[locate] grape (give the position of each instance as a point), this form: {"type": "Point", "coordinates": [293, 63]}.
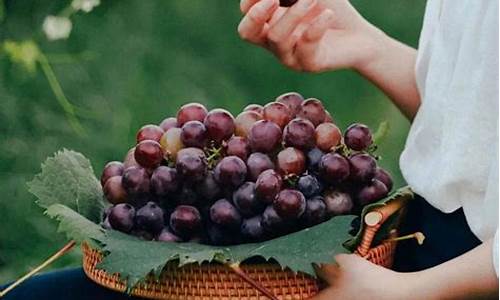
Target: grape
{"type": "Point", "coordinates": [309, 186]}
{"type": "Point", "coordinates": [268, 185]}
{"type": "Point", "coordinates": [223, 213]}
{"type": "Point", "coordinates": [315, 212]}
{"type": "Point", "coordinates": [383, 176]}
{"type": "Point", "coordinates": [312, 109]}
{"type": "Point", "coordinates": [171, 142]}
{"type": "Point", "coordinates": [271, 221]}
{"type": "Point", "coordinates": [363, 167]}
{"type": "Point", "coordinates": [136, 181]}
{"type": "Point", "coordinates": [264, 136]}
{"type": "Point", "coordinates": [167, 236]}
{"type": "Point", "coordinates": [168, 123]}
{"type": "Point", "coordinates": [231, 171]}
{"type": "Point", "coordinates": [194, 134]}
{"type": "Point", "coordinates": [299, 133]}
{"type": "Point", "coordinates": [313, 159]}
{"type": "Point", "coordinates": [220, 125]}
{"type": "Point", "coordinates": [164, 181]}
{"type": "Point", "coordinates": [374, 191]}
{"type": "Point", "coordinates": [121, 217]}
{"type": "Point", "coordinates": [358, 137]}
{"type": "Point", "coordinates": [293, 101]}
{"type": "Point", "coordinates": [113, 168]}
{"type": "Point", "coordinates": [255, 107]}
{"type": "Point", "coordinates": [185, 221]}
{"type": "Point", "coordinates": [114, 191]}
{"type": "Point", "coordinates": [287, 3]}
{"type": "Point", "coordinates": [338, 203]}
{"type": "Point", "coordinates": [142, 234]}
{"type": "Point", "coordinates": [252, 229]}
{"type": "Point", "coordinates": [277, 113]}
{"type": "Point", "coordinates": [148, 154]}
{"type": "Point", "coordinates": [150, 218]}
{"type": "Point", "coordinates": [208, 188]}
{"type": "Point", "coordinates": [129, 160]}
{"type": "Point", "coordinates": [186, 196]}
{"type": "Point", "coordinates": [327, 136]}
{"type": "Point", "coordinates": [328, 118]}
{"type": "Point", "coordinates": [219, 236]}
{"type": "Point", "coordinates": [257, 163]}
{"type": "Point", "coordinates": [149, 132]}
{"type": "Point", "coordinates": [191, 112]}
{"type": "Point", "coordinates": [334, 168]}
{"type": "Point", "coordinates": [105, 224]}
{"type": "Point", "coordinates": [244, 122]}
{"type": "Point", "coordinates": [238, 146]}
{"type": "Point", "coordinates": [191, 164]}
{"type": "Point", "coordinates": [290, 204]}
{"type": "Point", "coordinates": [291, 161]}
{"type": "Point", "coordinates": [246, 201]}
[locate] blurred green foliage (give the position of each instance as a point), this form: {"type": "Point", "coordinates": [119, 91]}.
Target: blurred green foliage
{"type": "Point", "coordinates": [129, 63]}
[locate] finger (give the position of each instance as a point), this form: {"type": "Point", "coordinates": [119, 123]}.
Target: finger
{"type": "Point", "coordinates": [253, 23]}
{"type": "Point", "coordinates": [328, 272]}
{"type": "Point", "coordinates": [327, 294]}
{"type": "Point", "coordinates": [246, 4]}
{"type": "Point", "coordinates": [319, 26]}
{"type": "Point", "coordinates": [285, 26]}
{"type": "Point", "coordinates": [347, 260]}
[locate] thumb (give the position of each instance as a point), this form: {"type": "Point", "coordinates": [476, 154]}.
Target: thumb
{"type": "Point", "coordinates": [346, 261]}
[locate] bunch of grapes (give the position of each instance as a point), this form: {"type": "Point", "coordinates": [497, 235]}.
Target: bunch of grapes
{"type": "Point", "coordinates": [208, 177]}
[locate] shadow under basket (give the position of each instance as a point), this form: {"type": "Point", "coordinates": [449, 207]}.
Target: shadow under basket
{"type": "Point", "coordinates": [217, 281]}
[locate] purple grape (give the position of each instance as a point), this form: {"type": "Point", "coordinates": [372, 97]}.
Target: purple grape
{"type": "Point", "coordinates": [194, 134]}
{"type": "Point", "coordinates": [252, 229]}
{"type": "Point", "coordinates": [185, 221]}
{"type": "Point", "coordinates": [315, 212]}
{"type": "Point", "coordinates": [136, 181]}
{"type": "Point", "coordinates": [148, 154]}
{"type": "Point", "coordinates": [292, 100]}
{"type": "Point", "coordinates": [224, 214]}
{"type": "Point", "coordinates": [129, 160]}
{"type": "Point", "coordinates": [268, 185]}
{"type": "Point", "coordinates": [244, 122]}
{"type": "Point", "coordinates": [149, 132]}
{"type": "Point", "coordinates": [334, 168]}
{"type": "Point", "coordinates": [219, 236]}
{"type": "Point", "coordinates": [114, 191]}
{"type": "Point", "coordinates": [312, 109]}
{"type": "Point", "coordinates": [231, 171]}
{"type": "Point", "coordinates": [374, 191]}
{"type": "Point", "coordinates": [220, 125]}
{"type": "Point", "coordinates": [362, 168]}
{"type": "Point", "coordinates": [299, 133]}
{"type": "Point", "coordinates": [150, 218]}
{"type": "Point", "coordinates": [358, 137]}
{"type": "Point", "coordinates": [142, 234]}
{"type": "Point", "coordinates": [113, 168]}
{"type": "Point", "coordinates": [208, 188]}
{"type": "Point", "coordinates": [168, 123]}
{"type": "Point", "coordinates": [257, 163]}
{"type": "Point", "coordinates": [164, 181]}
{"type": "Point", "coordinates": [264, 136]}
{"type": "Point", "coordinates": [105, 224]}
{"type": "Point", "coordinates": [290, 204]}
{"type": "Point", "coordinates": [309, 186]}
{"type": "Point", "coordinates": [121, 217]}
{"type": "Point", "coordinates": [191, 112]}
{"type": "Point", "coordinates": [313, 159]}
{"type": "Point", "coordinates": [271, 221]}
{"type": "Point", "coordinates": [338, 203]}
{"type": "Point", "coordinates": [384, 177]}
{"type": "Point", "coordinates": [167, 236]}
{"type": "Point", "coordinates": [191, 164]}
{"type": "Point", "coordinates": [245, 199]}
{"type": "Point", "coordinates": [287, 3]}
{"type": "Point", "coordinates": [238, 146]}
{"type": "Point", "coordinates": [291, 161]}
{"type": "Point", "coordinates": [186, 196]}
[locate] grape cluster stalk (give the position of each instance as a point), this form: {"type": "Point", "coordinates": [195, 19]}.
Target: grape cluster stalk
{"type": "Point", "coordinates": [209, 177]}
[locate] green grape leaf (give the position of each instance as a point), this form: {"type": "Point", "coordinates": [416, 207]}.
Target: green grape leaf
{"type": "Point", "coordinates": [67, 178]}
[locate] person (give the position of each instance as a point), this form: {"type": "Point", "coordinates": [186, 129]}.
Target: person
{"type": "Point", "coordinates": [449, 90]}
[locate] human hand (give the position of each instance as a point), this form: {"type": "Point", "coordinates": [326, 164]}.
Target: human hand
{"type": "Point", "coordinates": [312, 35]}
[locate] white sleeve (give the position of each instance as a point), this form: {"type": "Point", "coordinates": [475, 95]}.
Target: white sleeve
{"type": "Point", "coordinates": [495, 252]}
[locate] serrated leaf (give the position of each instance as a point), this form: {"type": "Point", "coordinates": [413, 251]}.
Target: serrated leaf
{"type": "Point", "coordinates": [67, 178]}
{"type": "Point", "coordinates": [74, 225]}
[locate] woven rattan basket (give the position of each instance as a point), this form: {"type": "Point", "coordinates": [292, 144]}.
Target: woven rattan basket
{"type": "Point", "coordinates": [216, 281]}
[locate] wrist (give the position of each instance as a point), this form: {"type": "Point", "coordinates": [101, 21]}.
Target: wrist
{"type": "Point", "coordinates": [378, 46]}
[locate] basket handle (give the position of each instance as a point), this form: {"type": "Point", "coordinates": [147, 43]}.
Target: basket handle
{"type": "Point", "coordinates": [374, 219]}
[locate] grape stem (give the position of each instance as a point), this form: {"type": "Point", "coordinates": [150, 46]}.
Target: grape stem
{"type": "Point", "coordinates": [239, 271]}
{"type": "Point", "coordinates": [50, 260]}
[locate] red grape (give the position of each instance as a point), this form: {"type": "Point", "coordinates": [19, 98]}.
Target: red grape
{"type": "Point", "coordinates": [334, 168]}
{"type": "Point", "coordinates": [293, 101]}
{"type": "Point", "coordinates": [312, 109]}
{"type": "Point", "coordinates": [338, 203]}
{"type": "Point", "coordinates": [291, 161]}
{"type": "Point", "coordinates": [191, 112]}
{"type": "Point", "coordinates": [164, 181]}
{"type": "Point", "coordinates": [277, 113]}
{"type": "Point", "coordinates": [255, 107]}
{"type": "Point", "coordinates": [129, 160]}
{"type": "Point", "coordinates": [363, 168]}
{"type": "Point", "coordinates": [114, 191]}
{"type": "Point", "coordinates": [265, 136]}
{"type": "Point", "coordinates": [257, 163]}
{"type": "Point", "coordinates": [358, 137]}
{"type": "Point", "coordinates": [149, 132]}
{"type": "Point", "coordinates": [328, 118]}
{"type": "Point", "coordinates": [194, 134]}
{"type": "Point", "coordinates": [238, 146]}
{"type": "Point", "coordinates": [290, 204]}
{"type": "Point", "coordinates": [149, 218]}
{"type": "Point", "coordinates": [168, 123]}
{"type": "Point", "coordinates": [374, 191]}
{"type": "Point", "coordinates": [121, 217]}
{"type": "Point", "coordinates": [136, 181]}
{"type": "Point", "coordinates": [113, 168]}
{"type": "Point", "coordinates": [185, 221]}
{"type": "Point", "coordinates": [231, 171]}
{"type": "Point", "coordinates": [171, 142]}
{"type": "Point", "coordinates": [244, 121]}
{"type": "Point", "coordinates": [384, 177]}
{"type": "Point", "coordinates": [268, 185]}
{"type": "Point", "coordinates": [223, 213]}
{"type": "Point", "coordinates": [299, 133]}
{"type": "Point", "coordinates": [167, 236]}
{"type": "Point", "coordinates": [327, 136]}
{"type": "Point", "coordinates": [148, 154]}
{"type": "Point", "coordinates": [220, 125]}
{"type": "Point", "coordinates": [191, 164]}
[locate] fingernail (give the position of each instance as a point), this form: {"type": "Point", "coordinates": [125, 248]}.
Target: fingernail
{"type": "Point", "coordinates": [267, 4]}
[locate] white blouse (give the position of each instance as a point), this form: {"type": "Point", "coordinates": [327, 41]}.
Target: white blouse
{"type": "Point", "coordinates": [451, 154]}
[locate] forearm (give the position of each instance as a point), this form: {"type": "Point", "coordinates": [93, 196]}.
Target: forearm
{"type": "Point", "coordinates": [469, 276]}
{"type": "Point", "coordinates": [392, 69]}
